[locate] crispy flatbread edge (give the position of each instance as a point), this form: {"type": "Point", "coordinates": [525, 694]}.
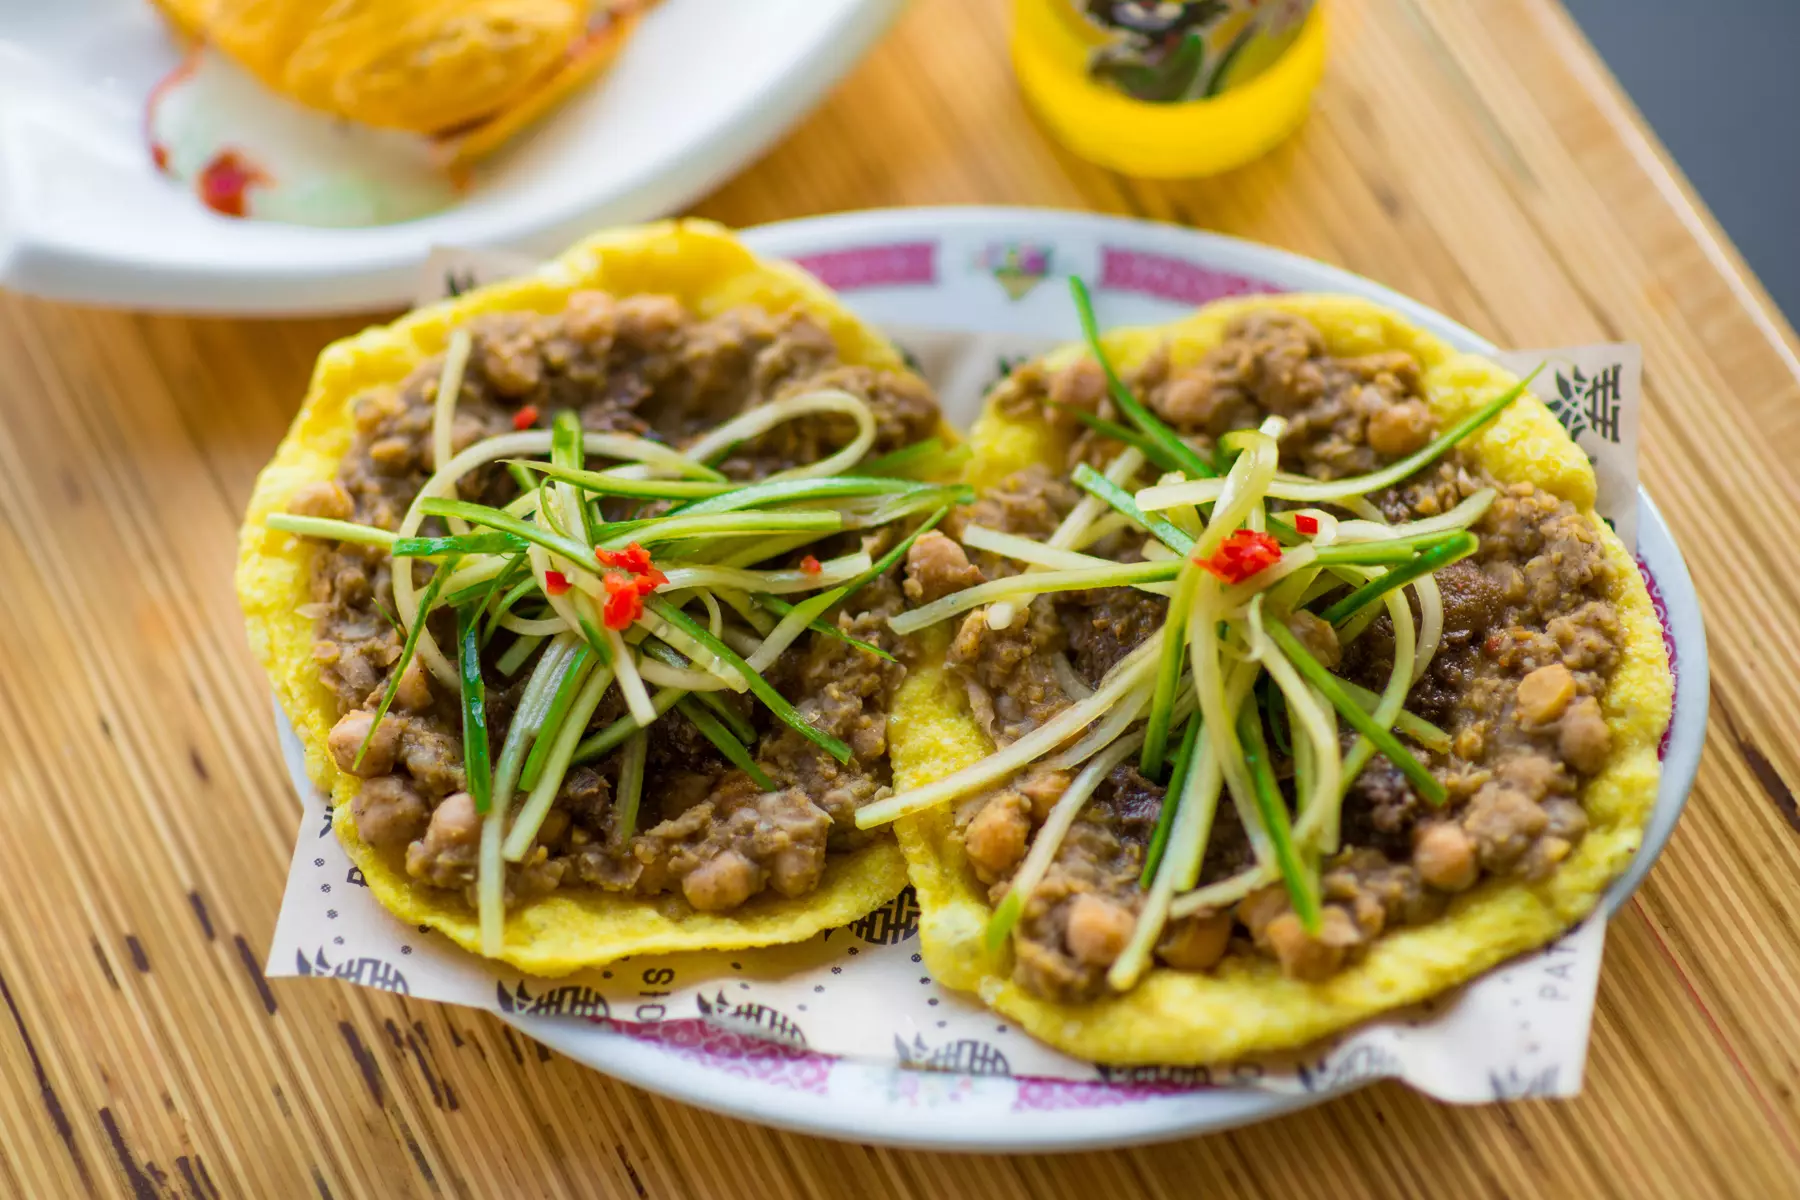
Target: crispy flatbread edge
{"type": "Point", "coordinates": [708, 270]}
{"type": "Point", "coordinates": [1246, 1007]}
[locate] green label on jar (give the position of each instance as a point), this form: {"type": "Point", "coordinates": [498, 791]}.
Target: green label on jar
{"type": "Point", "coordinates": [1177, 50]}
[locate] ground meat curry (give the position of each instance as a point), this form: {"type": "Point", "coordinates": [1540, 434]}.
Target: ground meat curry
{"type": "Point", "coordinates": [1548, 687]}
{"type": "Point", "coordinates": [638, 364]}
{"type": "Point", "coordinates": [660, 334]}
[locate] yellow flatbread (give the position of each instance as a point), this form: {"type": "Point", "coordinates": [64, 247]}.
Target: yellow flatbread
{"type": "Point", "coordinates": [1247, 1006]}
{"type": "Point", "coordinates": [708, 271]}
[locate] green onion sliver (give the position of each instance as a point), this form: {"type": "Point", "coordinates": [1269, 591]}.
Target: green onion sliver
{"type": "Point", "coordinates": [1387, 712]}
{"type": "Point", "coordinates": [1150, 448]}
{"type": "Point", "coordinates": [491, 542]}
{"type": "Point", "coordinates": [330, 530]}
{"type": "Point", "coordinates": [776, 604]}
{"type": "Point", "coordinates": [426, 600]}
{"type": "Point", "coordinates": [1115, 575]}
{"type": "Point", "coordinates": [1184, 457]}
{"type": "Point", "coordinates": [515, 592]}
{"type": "Point", "coordinates": [759, 687]}
{"type": "Point", "coordinates": [885, 563]}
{"type": "Point", "coordinates": [1302, 888]}
{"type": "Point", "coordinates": [1462, 516]}
{"type": "Point", "coordinates": [568, 685]}
{"type": "Point", "coordinates": [604, 741]}
{"type": "Point", "coordinates": [530, 531]}
{"type": "Point", "coordinates": [1361, 485]}
{"type": "Point", "coordinates": [1408, 723]}
{"type": "Point", "coordinates": [1049, 839]}
{"type": "Point", "coordinates": [1373, 554]}
{"type": "Point", "coordinates": [666, 654]}
{"type": "Point", "coordinates": [1317, 788]}
{"type": "Point", "coordinates": [1165, 817]}
{"type": "Point", "coordinates": [566, 452]}
{"type": "Point", "coordinates": [1096, 484]}
{"type": "Point", "coordinates": [1168, 673]}
{"type": "Point", "coordinates": [477, 771]}
{"type": "Point", "coordinates": [563, 742]}
{"type": "Point", "coordinates": [1186, 851]}
{"type": "Point", "coordinates": [631, 787]}
{"type": "Point", "coordinates": [1422, 780]}
{"type": "Point", "coordinates": [721, 738]}
{"type": "Point", "coordinates": [1456, 546]}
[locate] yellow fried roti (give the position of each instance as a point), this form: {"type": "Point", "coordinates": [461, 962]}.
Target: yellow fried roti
{"type": "Point", "coordinates": [483, 68]}
{"type": "Point", "coordinates": [710, 272]}
{"type": "Point", "coordinates": [1246, 1005]}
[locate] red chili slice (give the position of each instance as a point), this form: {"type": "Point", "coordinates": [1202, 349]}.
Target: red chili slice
{"type": "Point", "coordinates": [1241, 555]}
{"type": "Point", "coordinates": [555, 582]}
{"type": "Point", "coordinates": [525, 418]}
{"type": "Point", "coordinates": [624, 602]}
{"type": "Point", "coordinates": [1306, 524]}
{"type": "Point", "coordinates": [811, 565]}
{"type": "Point", "coordinates": [633, 558]}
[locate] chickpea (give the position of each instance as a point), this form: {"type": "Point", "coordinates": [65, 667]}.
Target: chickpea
{"type": "Point", "coordinates": [722, 882]}
{"type": "Point", "coordinates": [455, 822]}
{"type": "Point", "coordinates": [414, 692]}
{"type": "Point", "coordinates": [591, 316]}
{"type": "Point", "coordinates": [1308, 958]}
{"type": "Point", "coordinates": [389, 812]}
{"type": "Point", "coordinates": [995, 839]}
{"type": "Point", "coordinates": [322, 498]}
{"type": "Point", "coordinates": [1098, 929]}
{"type": "Point", "coordinates": [1444, 855]}
{"type": "Point", "coordinates": [1545, 693]}
{"type": "Point", "coordinates": [1585, 741]}
{"type": "Point", "coordinates": [1401, 428]}
{"type": "Point", "coordinates": [1196, 943]}
{"type": "Point", "coordinates": [347, 737]}
{"type": "Point", "coordinates": [1079, 385]}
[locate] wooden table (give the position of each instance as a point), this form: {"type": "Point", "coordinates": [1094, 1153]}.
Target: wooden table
{"type": "Point", "coordinates": [1472, 154]}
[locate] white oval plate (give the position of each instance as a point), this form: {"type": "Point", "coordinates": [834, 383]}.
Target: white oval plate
{"type": "Point", "coordinates": [936, 268]}
{"type": "Point", "coordinates": [703, 87]}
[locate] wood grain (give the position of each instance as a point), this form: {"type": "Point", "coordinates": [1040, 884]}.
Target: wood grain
{"type": "Point", "coordinates": [1471, 154]}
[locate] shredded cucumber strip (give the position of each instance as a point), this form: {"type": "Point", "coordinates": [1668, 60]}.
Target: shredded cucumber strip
{"type": "Point", "coordinates": [1220, 714]}
{"type": "Point", "coordinates": [556, 764]}
{"type": "Point", "coordinates": [1245, 485]}
{"type": "Point", "coordinates": [1168, 673]}
{"type": "Point", "coordinates": [331, 530]}
{"type": "Point", "coordinates": [1422, 780]}
{"type": "Point", "coordinates": [443, 408]}
{"type": "Point", "coordinates": [765, 417]}
{"type": "Point", "coordinates": [1118, 472]}
{"type": "Point", "coordinates": [1115, 575]}
{"type": "Point", "coordinates": [631, 787]}
{"type": "Point", "coordinates": [1313, 727]}
{"type": "Point", "coordinates": [1049, 839]}
{"type": "Point", "coordinates": [1187, 849]}
{"type": "Point", "coordinates": [1129, 674]}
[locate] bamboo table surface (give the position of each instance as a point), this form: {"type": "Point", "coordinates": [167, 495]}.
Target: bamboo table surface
{"type": "Point", "coordinates": [1471, 154]}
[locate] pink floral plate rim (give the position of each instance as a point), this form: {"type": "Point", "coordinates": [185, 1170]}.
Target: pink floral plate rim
{"type": "Point", "coordinates": [977, 269]}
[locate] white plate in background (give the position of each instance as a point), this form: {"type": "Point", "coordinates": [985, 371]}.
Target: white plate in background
{"type": "Point", "coordinates": [702, 87]}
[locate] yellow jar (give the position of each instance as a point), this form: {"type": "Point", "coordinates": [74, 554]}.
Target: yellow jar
{"type": "Point", "coordinates": [1053, 45]}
